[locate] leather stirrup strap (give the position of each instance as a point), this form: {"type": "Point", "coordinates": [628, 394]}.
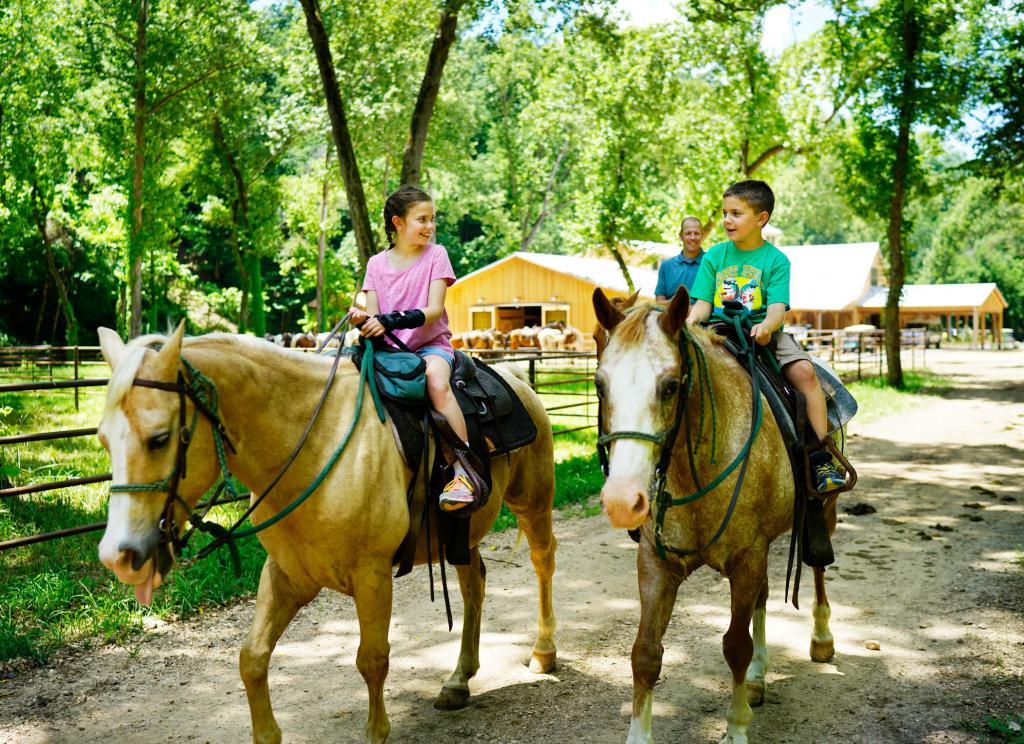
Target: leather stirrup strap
{"type": "Point", "coordinates": [418, 498]}
{"type": "Point", "coordinates": [799, 503]}
{"type": "Point", "coordinates": [466, 457]}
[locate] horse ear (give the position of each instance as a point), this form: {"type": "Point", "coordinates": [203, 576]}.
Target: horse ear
{"type": "Point", "coordinates": [631, 300]}
{"type": "Point", "coordinates": [607, 314]}
{"type": "Point", "coordinates": [165, 366]}
{"type": "Point", "coordinates": [674, 317]}
{"type": "Point", "coordinates": [111, 346]}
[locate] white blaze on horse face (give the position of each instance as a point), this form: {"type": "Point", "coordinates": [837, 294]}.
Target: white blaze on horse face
{"type": "Point", "coordinates": [631, 374]}
{"type": "Point", "coordinates": [131, 517]}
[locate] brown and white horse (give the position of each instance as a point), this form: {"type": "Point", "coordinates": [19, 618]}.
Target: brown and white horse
{"type": "Point", "coordinates": [641, 380]}
{"type": "Point", "coordinates": [343, 537]}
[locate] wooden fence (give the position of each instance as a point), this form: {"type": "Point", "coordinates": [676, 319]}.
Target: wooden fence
{"type": "Point", "coordinates": [34, 367]}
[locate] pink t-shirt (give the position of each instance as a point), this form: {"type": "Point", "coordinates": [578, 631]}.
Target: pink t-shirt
{"type": "Point", "coordinates": [409, 288]}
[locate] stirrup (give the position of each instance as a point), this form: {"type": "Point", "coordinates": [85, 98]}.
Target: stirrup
{"type": "Point", "coordinates": [457, 494]}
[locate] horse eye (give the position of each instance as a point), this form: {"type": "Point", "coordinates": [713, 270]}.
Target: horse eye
{"type": "Point", "coordinates": [599, 387]}
{"type": "Point", "coordinates": [158, 440]}
{"type": "Point", "coordinates": [669, 388]}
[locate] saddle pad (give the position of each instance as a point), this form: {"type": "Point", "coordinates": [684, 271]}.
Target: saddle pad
{"type": "Point", "coordinates": [487, 402]}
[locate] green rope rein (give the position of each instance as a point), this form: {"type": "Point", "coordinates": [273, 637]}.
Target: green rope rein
{"type": "Point", "coordinates": [365, 378]}
{"type": "Point", "coordinates": [205, 391]}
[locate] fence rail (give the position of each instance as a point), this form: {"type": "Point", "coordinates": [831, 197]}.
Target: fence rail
{"type": "Point", "coordinates": [569, 368]}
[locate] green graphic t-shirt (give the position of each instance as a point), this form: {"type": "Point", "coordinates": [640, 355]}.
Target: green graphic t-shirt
{"type": "Point", "coordinates": [756, 278]}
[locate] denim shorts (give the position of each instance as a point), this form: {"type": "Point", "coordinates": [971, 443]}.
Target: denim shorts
{"type": "Point", "coordinates": [438, 351]}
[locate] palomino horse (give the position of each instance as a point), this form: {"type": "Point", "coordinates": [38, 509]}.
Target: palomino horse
{"type": "Point", "coordinates": [342, 538]}
{"type": "Point", "coordinates": [642, 382]}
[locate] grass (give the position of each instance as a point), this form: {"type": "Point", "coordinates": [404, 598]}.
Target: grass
{"type": "Point", "coordinates": [1008, 729]}
{"type": "Point", "coordinates": [875, 399]}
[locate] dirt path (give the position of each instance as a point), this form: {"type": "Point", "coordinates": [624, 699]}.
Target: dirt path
{"type": "Point", "coordinates": [934, 576]}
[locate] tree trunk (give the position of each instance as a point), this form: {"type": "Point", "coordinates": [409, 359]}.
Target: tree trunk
{"type": "Point", "coordinates": [617, 255]}
{"type": "Point", "coordinates": [339, 126]}
{"type": "Point", "coordinates": [256, 313]}
{"type": "Point", "coordinates": [64, 300]}
{"type": "Point", "coordinates": [42, 313]}
{"type": "Point", "coordinates": [249, 282]}
{"type": "Point", "coordinates": [412, 159]}
{"type": "Point", "coordinates": [321, 248]}
{"type": "Point", "coordinates": [526, 238]}
{"type": "Point", "coordinates": [897, 268]}
{"type": "Point", "coordinates": [611, 237]}
{"type": "Point", "coordinates": [135, 248]}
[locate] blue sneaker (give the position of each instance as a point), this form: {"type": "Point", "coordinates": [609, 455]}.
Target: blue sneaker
{"type": "Point", "coordinates": [824, 472]}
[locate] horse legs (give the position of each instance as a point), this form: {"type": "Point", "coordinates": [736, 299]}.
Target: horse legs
{"type": "Point", "coordinates": [747, 580]}
{"type": "Point", "coordinates": [822, 645]}
{"type": "Point", "coordinates": [277, 601]}
{"type": "Point", "coordinates": [659, 583]}
{"type": "Point", "coordinates": [472, 579]}
{"type": "Point", "coordinates": [536, 524]}
{"type": "Point", "coordinates": [371, 589]}
{"type": "Point", "coordinates": [759, 663]}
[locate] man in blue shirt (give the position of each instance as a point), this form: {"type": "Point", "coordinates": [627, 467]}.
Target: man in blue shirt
{"type": "Point", "coordinates": [681, 269]}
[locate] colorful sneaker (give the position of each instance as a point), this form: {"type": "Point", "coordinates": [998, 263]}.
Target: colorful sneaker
{"type": "Point", "coordinates": [457, 494]}
{"type": "Point", "coordinates": [826, 476]}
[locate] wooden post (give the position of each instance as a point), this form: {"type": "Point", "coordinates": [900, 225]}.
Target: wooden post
{"type": "Point", "coordinates": [974, 329]}
{"type": "Point", "coordinates": [76, 377]}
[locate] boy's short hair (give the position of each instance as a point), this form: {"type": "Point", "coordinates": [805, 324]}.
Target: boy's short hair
{"type": "Point", "coordinates": [757, 194]}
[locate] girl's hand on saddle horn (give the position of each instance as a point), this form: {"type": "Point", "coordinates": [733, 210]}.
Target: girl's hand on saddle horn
{"type": "Point", "coordinates": [761, 332]}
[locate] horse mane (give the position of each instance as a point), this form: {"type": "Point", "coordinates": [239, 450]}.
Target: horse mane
{"type": "Point", "coordinates": [633, 327]}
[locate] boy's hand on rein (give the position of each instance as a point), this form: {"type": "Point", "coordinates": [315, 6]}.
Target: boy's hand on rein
{"type": "Point", "coordinates": [761, 333]}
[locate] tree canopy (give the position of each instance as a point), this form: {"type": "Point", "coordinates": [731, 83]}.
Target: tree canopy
{"type": "Point", "coordinates": [228, 162]}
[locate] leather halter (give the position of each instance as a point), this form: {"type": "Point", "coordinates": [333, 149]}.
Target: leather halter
{"type": "Point", "coordinates": [170, 544]}
{"type": "Point", "coordinates": [662, 500]}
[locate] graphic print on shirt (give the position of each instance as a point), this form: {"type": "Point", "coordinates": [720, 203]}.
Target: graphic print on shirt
{"type": "Point", "coordinates": [739, 283]}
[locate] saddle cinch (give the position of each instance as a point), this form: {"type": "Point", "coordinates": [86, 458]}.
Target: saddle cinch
{"type": "Point", "coordinates": [810, 539]}
{"type": "Point", "coordinates": [497, 422]}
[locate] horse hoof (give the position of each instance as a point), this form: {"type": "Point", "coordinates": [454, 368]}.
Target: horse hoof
{"type": "Point", "coordinates": [452, 698]}
{"type": "Point", "coordinates": [822, 651]}
{"type": "Point", "coordinates": [755, 692]}
{"type": "Point", "coordinates": [542, 663]}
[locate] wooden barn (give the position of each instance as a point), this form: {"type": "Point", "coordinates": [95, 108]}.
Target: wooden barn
{"type": "Point", "coordinates": [525, 289]}
{"type": "Point", "coordinates": [831, 286]}
{"type": "Point", "coordinates": [973, 311]}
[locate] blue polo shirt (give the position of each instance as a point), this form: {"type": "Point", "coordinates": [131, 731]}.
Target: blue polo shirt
{"type": "Point", "coordinates": [675, 271]}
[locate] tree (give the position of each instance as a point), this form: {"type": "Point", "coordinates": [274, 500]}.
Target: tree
{"type": "Point", "coordinates": [1001, 83]}
{"type": "Point", "coordinates": [153, 53]}
{"type": "Point", "coordinates": [625, 85]}
{"type": "Point", "coordinates": [253, 121]}
{"type": "Point", "coordinates": [922, 79]}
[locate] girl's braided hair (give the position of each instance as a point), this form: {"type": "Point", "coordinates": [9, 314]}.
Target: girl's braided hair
{"type": "Point", "coordinates": [397, 205]}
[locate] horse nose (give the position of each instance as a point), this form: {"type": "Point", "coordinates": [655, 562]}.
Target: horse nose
{"type": "Point", "coordinates": [626, 504]}
{"type": "Point", "coordinates": [138, 550]}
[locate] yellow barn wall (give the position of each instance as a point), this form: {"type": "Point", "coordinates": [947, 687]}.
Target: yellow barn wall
{"type": "Point", "coordinates": [531, 283]}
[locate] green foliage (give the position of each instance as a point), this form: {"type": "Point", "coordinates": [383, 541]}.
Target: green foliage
{"type": "Point", "coordinates": [557, 128]}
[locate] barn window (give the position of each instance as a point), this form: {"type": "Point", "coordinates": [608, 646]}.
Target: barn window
{"type": "Point", "coordinates": [481, 320]}
{"type": "Point", "coordinates": [554, 315]}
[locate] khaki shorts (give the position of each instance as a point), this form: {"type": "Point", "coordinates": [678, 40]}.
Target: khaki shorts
{"type": "Point", "coordinates": [787, 350]}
